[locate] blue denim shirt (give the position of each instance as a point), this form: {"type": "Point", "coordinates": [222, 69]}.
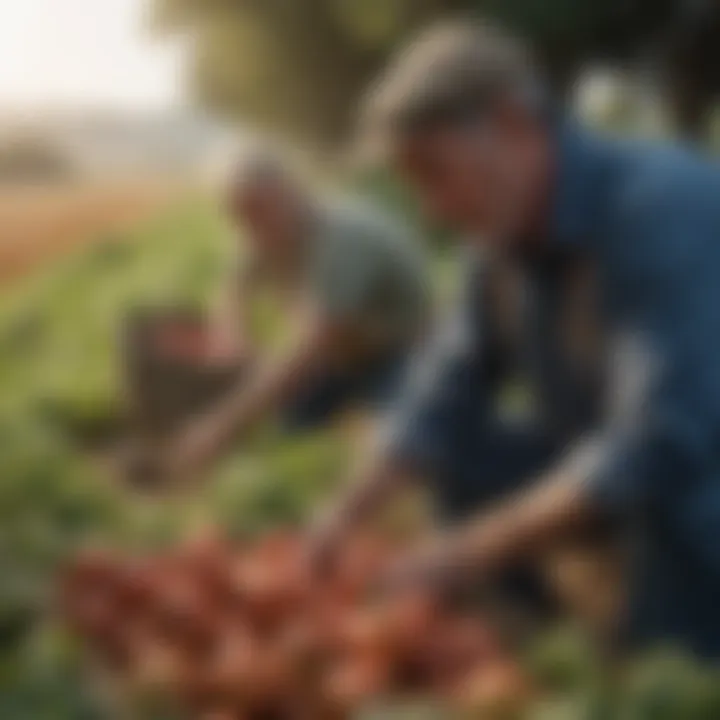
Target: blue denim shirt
{"type": "Point", "coordinates": [649, 217]}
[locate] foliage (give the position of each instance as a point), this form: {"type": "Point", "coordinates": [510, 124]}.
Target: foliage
{"type": "Point", "coordinates": [57, 364]}
{"type": "Point", "coordinates": [31, 159]}
{"type": "Point", "coordinates": [299, 66]}
{"type": "Point", "coordinates": [59, 374]}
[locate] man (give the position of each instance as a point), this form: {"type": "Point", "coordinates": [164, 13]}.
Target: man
{"type": "Point", "coordinates": [354, 285]}
{"type": "Point", "coordinates": [462, 117]}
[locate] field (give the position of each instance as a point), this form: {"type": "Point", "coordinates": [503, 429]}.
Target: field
{"type": "Point", "coordinates": [39, 224]}
{"type": "Point", "coordinates": [58, 373]}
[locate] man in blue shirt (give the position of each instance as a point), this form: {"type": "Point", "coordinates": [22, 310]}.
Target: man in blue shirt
{"type": "Point", "coordinates": [461, 116]}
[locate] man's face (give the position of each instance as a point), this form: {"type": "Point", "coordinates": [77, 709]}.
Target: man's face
{"type": "Point", "coordinates": [476, 177]}
{"type": "Point", "coordinates": [267, 214]}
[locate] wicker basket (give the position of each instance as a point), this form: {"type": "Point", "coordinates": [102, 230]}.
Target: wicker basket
{"type": "Point", "coordinates": [164, 389]}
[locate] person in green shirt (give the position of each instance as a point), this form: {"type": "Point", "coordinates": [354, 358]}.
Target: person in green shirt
{"type": "Point", "coordinates": [353, 283]}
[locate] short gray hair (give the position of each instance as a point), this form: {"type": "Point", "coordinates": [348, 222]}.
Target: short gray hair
{"type": "Point", "coordinates": [243, 164]}
{"type": "Point", "coordinates": [257, 165]}
{"type": "Point", "coordinates": [453, 70]}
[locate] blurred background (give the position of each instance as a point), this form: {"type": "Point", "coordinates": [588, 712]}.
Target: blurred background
{"type": "Point", "coordinates": [111, 114]}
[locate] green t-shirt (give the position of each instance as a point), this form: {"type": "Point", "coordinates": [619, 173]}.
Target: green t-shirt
{"type": "Point", "coordinates": [368, 269]}
{"type": "Point", "coordinates": [364, 268]}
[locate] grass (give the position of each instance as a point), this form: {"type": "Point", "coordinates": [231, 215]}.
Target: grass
{"type": "Point", "coordinates": [41, 223]}
{"type": "Point", "coordinates": [58, 365]}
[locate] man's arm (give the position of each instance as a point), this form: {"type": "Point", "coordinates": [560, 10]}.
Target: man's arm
{"type": "Point", "coordinates": [650, 444]}
{"type": "Point", "coordinates": [523, 526]}
{"type": "Point", "coordinates": [660, 434]}
{"type": "Point", "coordinates": [270, 384]}
{"type": "Point", "coordinates": [230, 319]}
{"type": "Point", "coordinates": [371, 485]}
{"type": "Point", "coordinates": [416, 440]}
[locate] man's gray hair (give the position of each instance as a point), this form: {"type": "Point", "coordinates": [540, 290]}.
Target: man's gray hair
{"type": "Point", "coordinates": [257, 165]}
{"type": "Point", "coordinates": [241, 166]}
{"type": "Point", "coordinates": [453, 70]}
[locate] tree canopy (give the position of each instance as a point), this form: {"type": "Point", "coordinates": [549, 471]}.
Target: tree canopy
{"type": "Point", "coordinates": [300, 65]}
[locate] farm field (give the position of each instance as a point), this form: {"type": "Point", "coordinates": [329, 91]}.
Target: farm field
{"type": "Point", "coordinates": [40, 223]}
{"type": "Point", "coordinates": [59, 372]}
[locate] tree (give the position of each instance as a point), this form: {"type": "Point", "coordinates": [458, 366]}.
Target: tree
{"type": "Point", "coordinates": [31, 159]}
{"type": "Point", "coordinates": [300, 65]}
{"type": "Point", "coordinates": [296, 65]}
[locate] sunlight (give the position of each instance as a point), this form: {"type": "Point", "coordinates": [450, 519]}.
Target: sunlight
{"type": "Point", "coordinates": [89, 54]}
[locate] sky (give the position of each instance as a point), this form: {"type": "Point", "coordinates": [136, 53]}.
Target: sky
{"type": "Point", "coordinates": [93, 53]}
{"type": "Point", "coordinates": [96, 53]}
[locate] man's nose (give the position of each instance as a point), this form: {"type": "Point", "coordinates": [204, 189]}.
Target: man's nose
{"type": "Point", "coordinates": [442, 207]}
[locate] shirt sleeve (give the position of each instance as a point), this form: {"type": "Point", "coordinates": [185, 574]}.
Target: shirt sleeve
{"type": "Point", "coordinates": [344, 274]}
{"type": "Point", "coordinates": [664, 413]}
{"type": "Point", "coordinates": [229, 311]}
{"type": "Point", "coordinates": [443, 387]}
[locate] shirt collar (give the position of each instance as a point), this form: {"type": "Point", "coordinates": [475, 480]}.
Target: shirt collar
{"type": "Point", "coordinates": [583, 181]}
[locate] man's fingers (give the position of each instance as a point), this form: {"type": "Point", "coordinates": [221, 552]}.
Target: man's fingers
{"type": "Point", "coordinates": [403, 574]}
{"type": "Point", "coordinates": [428, 569]}
{"type": "Point", "coordinates": [322, 552]}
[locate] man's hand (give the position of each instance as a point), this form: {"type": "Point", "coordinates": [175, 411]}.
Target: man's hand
{"type": "Point", "coordinates": [375, 482]}
{"type": "Point", "coordinates": [194, 449]}
{"type": "Point", "coordinates": [438, 566]}
{"type": "Point", "coordinates": [518, 529]}
{"type": "Point", "coordinates": [265, 389]}
{"type": "Point", "coordinates": [327, 537]}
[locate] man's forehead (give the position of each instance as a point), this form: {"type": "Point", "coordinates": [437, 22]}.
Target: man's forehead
{"type": "Point", "coordinates": [249, 194]}
{"type": "Point", "coordinates": [425, 144]}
